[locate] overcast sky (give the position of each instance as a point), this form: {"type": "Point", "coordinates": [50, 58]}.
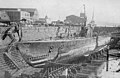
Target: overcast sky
{"type": "Point", "coordinates": [105, 11]}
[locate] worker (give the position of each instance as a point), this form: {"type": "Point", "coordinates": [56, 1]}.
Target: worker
{"type": "Point", "coordinates": [96, 35]}
{"type": "Point", "coordinates": [11, 33]}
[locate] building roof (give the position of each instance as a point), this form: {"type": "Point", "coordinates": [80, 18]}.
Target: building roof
{"type": "Point", "coordinates": [28, 9]}
{"type": "Point", "coordinates": [8, 9]}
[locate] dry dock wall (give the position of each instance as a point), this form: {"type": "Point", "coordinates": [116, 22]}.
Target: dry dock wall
{"type": "Point", "coordinates": [106, 30]}
{"type": "Point", "coordinates": [42, 33]}
{"type": "Point", "coordinates": [36, 33]}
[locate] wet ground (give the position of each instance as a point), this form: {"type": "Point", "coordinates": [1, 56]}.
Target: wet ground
{"type": "Point", "coordinates": [114, 65]}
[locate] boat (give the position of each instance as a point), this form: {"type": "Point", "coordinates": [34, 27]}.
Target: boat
{"type": "Point", "coordinates": [40, 45]}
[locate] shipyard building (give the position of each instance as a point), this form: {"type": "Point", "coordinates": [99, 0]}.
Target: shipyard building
{"type": "Point", "coordinates": [17, 14]}
{"type": "Point", "coordinates": [76, 20]}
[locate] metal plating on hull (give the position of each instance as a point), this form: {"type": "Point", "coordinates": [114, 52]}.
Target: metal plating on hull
{"type": "Point", "coordinates": [48, 50]}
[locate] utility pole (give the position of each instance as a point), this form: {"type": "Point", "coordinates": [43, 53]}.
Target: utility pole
{"type": "Point", "coordinates": [107, 59]}
{"type": "Point", "coordinates": [85, 18]}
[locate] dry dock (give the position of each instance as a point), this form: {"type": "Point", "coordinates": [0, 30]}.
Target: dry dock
{"type": "Point", "coordinates": [89, 65]}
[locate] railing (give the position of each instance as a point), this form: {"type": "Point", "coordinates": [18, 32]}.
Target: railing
{"type": "Point", "coordinates": [3, 65]}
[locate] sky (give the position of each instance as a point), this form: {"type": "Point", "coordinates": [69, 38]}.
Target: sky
{"type": "Point", "coordinates": [105, 11]}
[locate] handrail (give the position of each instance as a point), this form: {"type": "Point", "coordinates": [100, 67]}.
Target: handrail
{"type": "Point", "coordinates": [11, 60]}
